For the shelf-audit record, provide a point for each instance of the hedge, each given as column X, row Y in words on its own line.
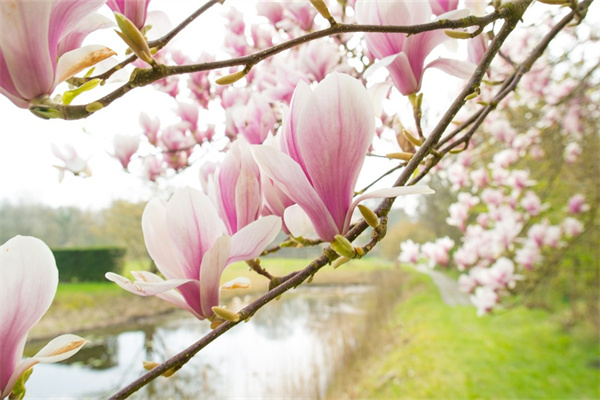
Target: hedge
column 88, row 264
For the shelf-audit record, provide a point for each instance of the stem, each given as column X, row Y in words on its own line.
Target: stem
column 143, row 77
column 297, row 278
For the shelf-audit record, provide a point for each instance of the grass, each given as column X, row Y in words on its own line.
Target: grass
column 434, row 351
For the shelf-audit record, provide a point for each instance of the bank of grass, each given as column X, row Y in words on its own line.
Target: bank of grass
column 79, row 307
column 434, row 351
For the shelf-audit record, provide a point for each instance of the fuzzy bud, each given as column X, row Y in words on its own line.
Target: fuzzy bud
column 226, row 314
column 343, row 247
column 370, row 217
column 132, row 36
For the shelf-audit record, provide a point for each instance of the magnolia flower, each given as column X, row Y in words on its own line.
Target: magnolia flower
column 485, row 299
column 409, row 252
column 73, row 162
column 326, row 135
column 191, row 248
column 150, row 126
column 40, row 45
column 577, row 204
column 125, row 147
column 237, row 188
column 134, row 10
column 28, row 281
column 403, row 55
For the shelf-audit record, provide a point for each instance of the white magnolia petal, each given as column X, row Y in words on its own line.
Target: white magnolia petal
column 251, row 240
column 77, row 60
column 458, row 68
column 56, row 350
column 388, row 192
column 146, row 283
column 299, row 223
column 241, row 282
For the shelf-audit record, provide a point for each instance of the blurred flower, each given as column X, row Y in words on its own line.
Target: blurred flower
column 125, row 147
column 577, row 204
column 73, row 162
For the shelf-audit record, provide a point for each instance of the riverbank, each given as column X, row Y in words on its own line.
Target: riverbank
column 82, row 307
column 426, row 349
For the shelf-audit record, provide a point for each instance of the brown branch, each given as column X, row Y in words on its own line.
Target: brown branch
column 143, row 77
column 297, row 278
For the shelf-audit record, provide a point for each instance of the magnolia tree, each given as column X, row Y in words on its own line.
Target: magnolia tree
column 300, row 95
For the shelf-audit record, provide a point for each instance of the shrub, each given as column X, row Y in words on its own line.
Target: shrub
column 88, row 264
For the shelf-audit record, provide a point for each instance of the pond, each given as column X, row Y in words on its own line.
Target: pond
column 290, row 348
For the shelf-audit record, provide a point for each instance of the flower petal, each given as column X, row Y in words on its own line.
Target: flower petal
column 250, row 241
column 388, row 192
column 157, row 239
column 299, row 223
column 334, row 132
column 213, row 263
column 290, row 179
column 77, row 60
column 458, row 68
column 56, row 350
column 193, row 224
column 28, row 281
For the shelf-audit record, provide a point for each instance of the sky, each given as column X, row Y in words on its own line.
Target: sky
column 27, row 173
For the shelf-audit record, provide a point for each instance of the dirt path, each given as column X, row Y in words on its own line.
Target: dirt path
column 447, row 286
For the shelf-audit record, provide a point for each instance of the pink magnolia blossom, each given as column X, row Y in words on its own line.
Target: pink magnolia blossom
column 438, row 252
column 529, row 255
column 273, row 10
column 188, row 112
column 151, row 168
column 326, row 135
column 134, row 10
column 502, row 274
column 125, row 147
column 150, row 126
column 485, row 299
column 255, row 119
column 459, row 213
column 191, row 248
column 403, row 55
column 73, row 162
column 572, row 152
column 409, row 252
column 572, row 227
column 28, row 281
column 40, row 45
column 577, row 204
column 443, row 6
column 531, row 203
column 237, row 188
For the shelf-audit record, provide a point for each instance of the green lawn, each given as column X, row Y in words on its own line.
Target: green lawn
column 433, row 351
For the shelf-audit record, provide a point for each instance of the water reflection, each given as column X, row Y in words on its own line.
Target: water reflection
column 289, row 349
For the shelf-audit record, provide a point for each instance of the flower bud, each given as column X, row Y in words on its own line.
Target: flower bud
column 132, row 36
column 370, row 217
column 340, row 261
column 69, row 95
column 411, row 138
column 232, row 78
column 458, row 34
column 400, row 156
column 343, row 247
column 323, row 10
column 149, row 365
column 226, row 314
